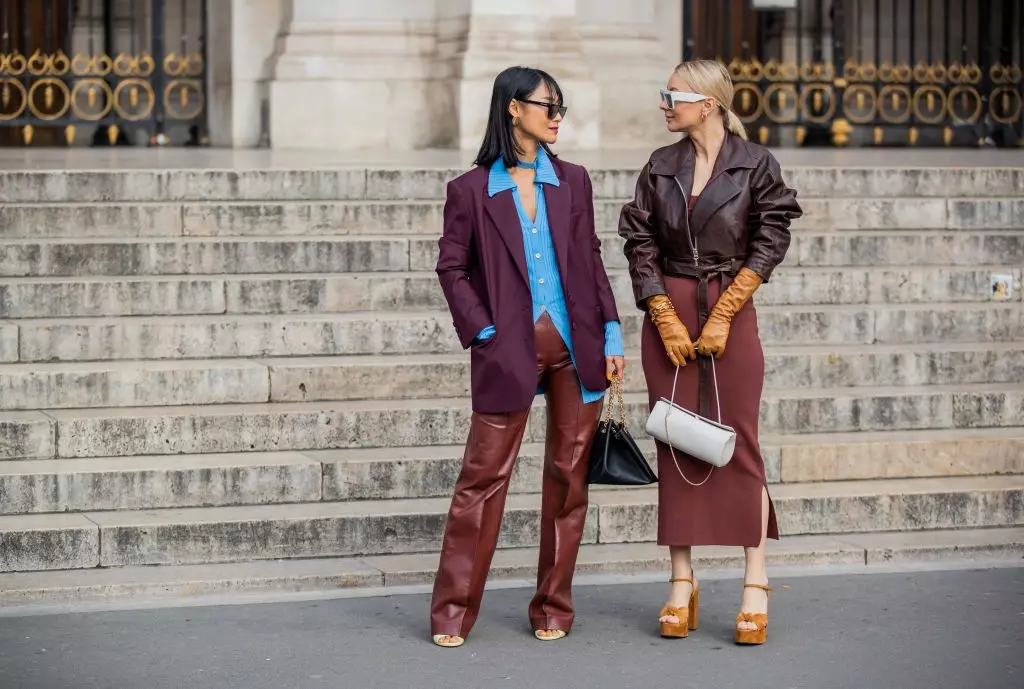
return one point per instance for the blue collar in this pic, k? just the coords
(499, 180)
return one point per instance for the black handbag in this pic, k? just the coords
(615, 458)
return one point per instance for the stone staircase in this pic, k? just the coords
(250, 378)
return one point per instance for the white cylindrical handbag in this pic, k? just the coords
(683, 430)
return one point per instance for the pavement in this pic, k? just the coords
(960, 628)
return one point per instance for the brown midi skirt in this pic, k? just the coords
(726, 510)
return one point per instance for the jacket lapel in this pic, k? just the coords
(721, 187)
(559, 205)
(721, 190)
(502, 210)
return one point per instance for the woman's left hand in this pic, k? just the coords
(714, 336)
(615, 367)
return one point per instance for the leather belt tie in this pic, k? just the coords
(703, 274)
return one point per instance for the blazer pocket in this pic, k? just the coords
(486, 365)
(486, 344)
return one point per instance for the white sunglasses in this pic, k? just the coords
(670, 98)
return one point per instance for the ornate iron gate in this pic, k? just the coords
(868, 72)
(105, 68)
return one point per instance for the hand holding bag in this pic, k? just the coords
(615, 458)
(691, 433)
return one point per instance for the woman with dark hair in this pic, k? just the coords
(520, 265)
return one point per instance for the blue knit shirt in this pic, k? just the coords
(541, 265)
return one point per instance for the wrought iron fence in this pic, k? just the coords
(122, 71)
(869, 72)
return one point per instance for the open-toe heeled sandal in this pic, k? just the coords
(448, 640)
(753, 637)
(688, 618)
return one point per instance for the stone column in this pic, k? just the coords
(357, 74)
(249, 44)
(220, 97)
(479, 38)
(630, 58)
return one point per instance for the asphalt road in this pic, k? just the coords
(927, 630)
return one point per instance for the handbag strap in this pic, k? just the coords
(672, 399)
(615, 401)
(714, 378)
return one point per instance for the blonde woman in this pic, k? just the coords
(708, 225)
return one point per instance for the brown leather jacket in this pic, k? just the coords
(741, 219)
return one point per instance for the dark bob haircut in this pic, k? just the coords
(515, 83)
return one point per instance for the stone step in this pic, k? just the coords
(334, 255)
(36, 590)
(300, 379)
(8, 342)
(168, 481)
(227, 534)
(399, 473)
(845, 507)
(878, 548)
(381, 182)
(803, 286)
(878, 249)
(368, 528)
(417, 291)
(412, 423)
(239, 335)
(894, 454)
(112, 296)
(271, 217)
(26, 435)
(132, 383)
(786, 367)
(185, 256)
(175, 481)
(243, 478)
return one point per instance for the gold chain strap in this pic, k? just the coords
(615, 399)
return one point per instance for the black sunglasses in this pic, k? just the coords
(554, 109)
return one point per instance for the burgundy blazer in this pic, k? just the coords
(482, 269)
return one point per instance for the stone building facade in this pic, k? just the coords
(407, 74)
(404, 74)
(412, 74)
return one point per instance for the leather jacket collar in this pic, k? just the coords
(677, 160)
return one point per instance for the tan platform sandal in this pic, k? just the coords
(689, 617)
(753, 637)
(557, 634)
(453, 640)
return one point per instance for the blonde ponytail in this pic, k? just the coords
(734, 124)
(711, 78)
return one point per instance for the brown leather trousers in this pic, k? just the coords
(474, 519)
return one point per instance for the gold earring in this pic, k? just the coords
(515, 120)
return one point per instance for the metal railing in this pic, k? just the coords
(138, 75)
(869, 72)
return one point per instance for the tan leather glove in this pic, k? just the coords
(716, 330)
(673, 333)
